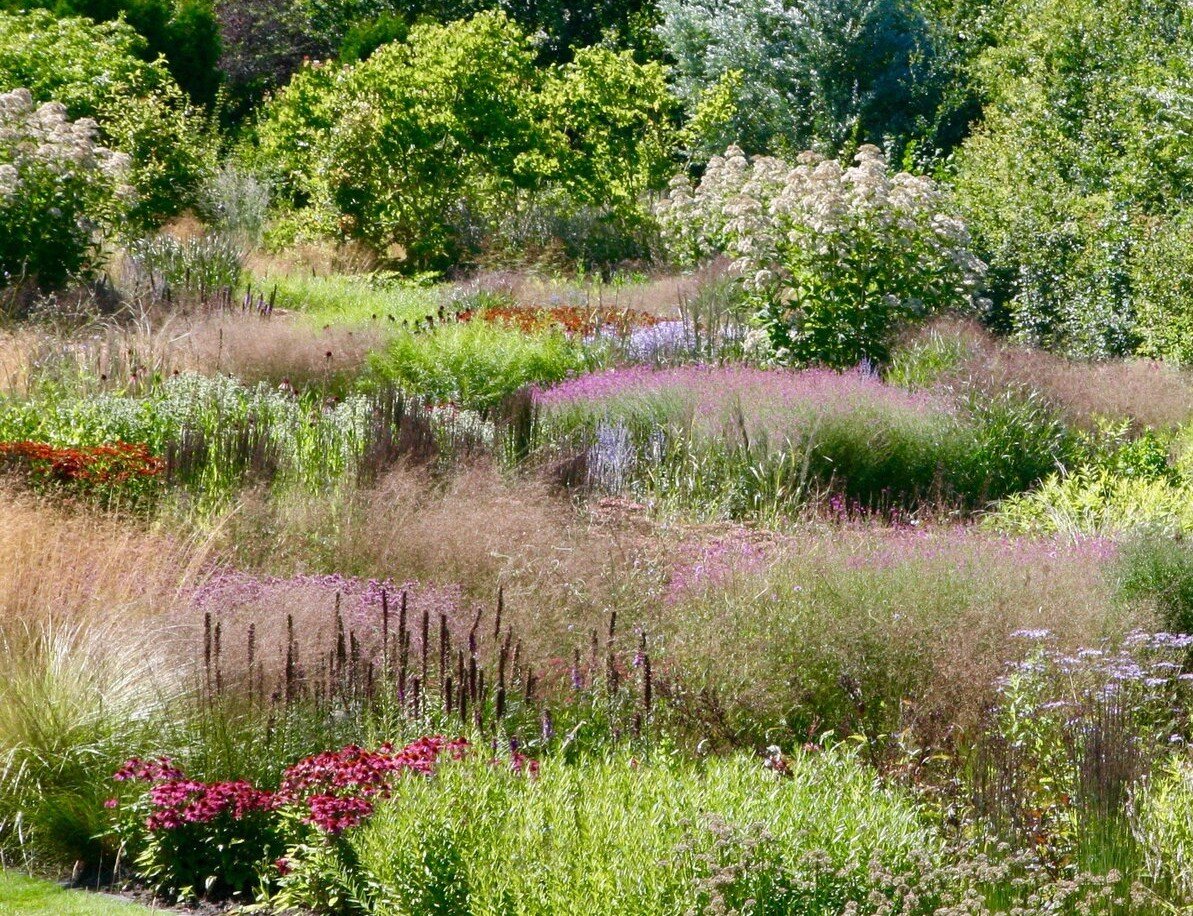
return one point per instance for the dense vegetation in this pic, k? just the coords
(693, 456)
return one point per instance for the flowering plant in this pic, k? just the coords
(218, 839)
(124, 468)
(833, 259)
(59, 190)
(1076, 733)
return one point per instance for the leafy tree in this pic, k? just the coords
(1084, 150)
(432, 129)
(96, 71)
(821, 73)
(431, 146)
(185, 32)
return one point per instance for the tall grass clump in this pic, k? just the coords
(202, 269)
(476, 365)
(1159, 571)
(74, 697)
(740, 441)
(867, 632)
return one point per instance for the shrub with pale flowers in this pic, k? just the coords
(834, 260)
(59, 190)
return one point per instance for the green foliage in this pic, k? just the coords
(60, 192)
(352, 299)
(921, 364)
(614, 114)
(476, 365)
(97, 72)
(1162, 284)
(1078, 164)
(435, 143)
(429, 126)
(826, 74)
(366, 36)
(185, 32)
(1096, 502)
(1166, 825)
(625, 836)
(1159, 571)
(1018, 440)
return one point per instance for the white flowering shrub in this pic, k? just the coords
(834, 260)
(59, 191)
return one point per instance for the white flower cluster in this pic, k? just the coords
(755, 210)
(42, 138)
(833, 256)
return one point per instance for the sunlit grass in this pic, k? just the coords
(345, 299)
(31, 897)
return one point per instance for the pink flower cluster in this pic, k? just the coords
(709, 389)
(704, 565)
(335, 787)
(137, 770)
(186, 801)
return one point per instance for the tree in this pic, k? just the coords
(1085, 147)
(96, 70)
(819, 74)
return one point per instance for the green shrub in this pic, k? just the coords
(97, 72)
(835, 261)
(435, 144)
(60, 192)
(477, 364)
(1096, 502)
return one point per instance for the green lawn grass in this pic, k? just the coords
(342, 299)
(31, 897)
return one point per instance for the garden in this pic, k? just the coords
(644, 458)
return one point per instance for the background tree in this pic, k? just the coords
(819, 74)
(1085, 147)
(98, 71)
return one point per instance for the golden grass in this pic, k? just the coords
(84, 568)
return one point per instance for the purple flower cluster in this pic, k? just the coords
(709, 390)
(1150, 665)
(707, 564)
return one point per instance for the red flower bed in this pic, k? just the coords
(572, 319)
(115, 463)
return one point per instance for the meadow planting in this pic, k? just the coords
(644, 458)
